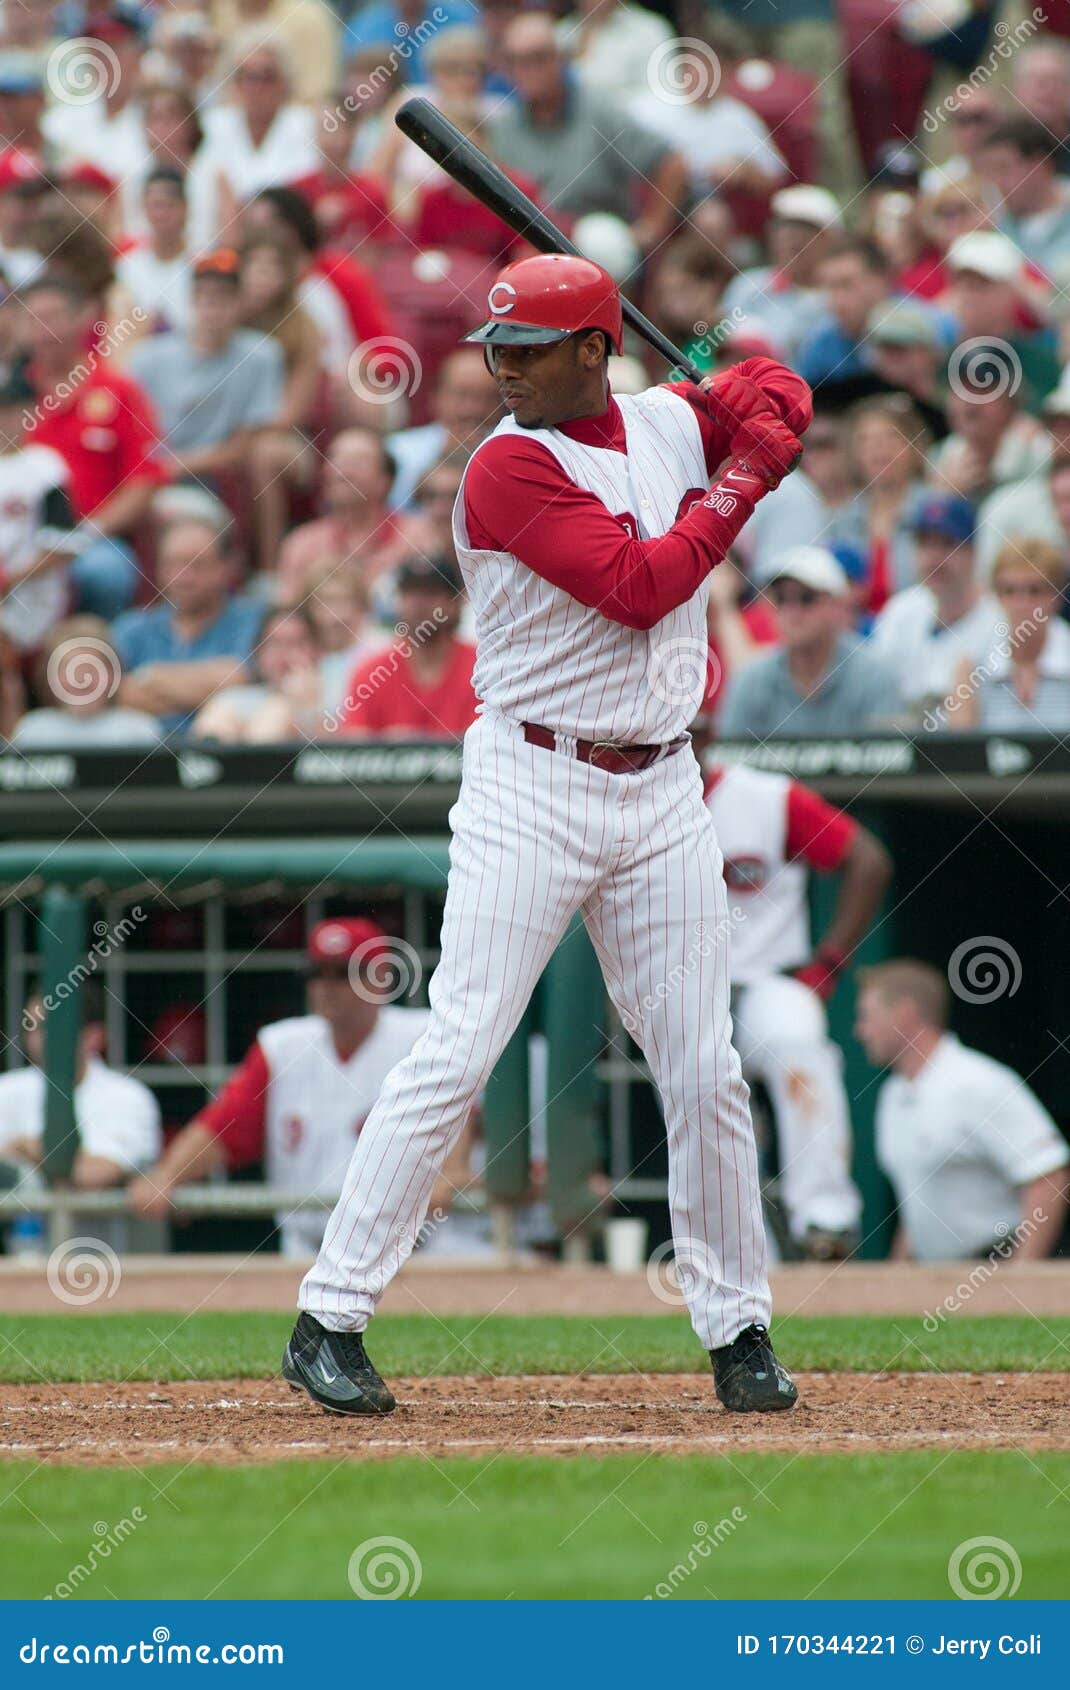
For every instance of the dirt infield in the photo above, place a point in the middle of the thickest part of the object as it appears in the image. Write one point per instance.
(183, 1284)
(241, 1421)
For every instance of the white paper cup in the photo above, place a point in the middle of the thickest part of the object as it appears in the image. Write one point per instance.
(626, 1244)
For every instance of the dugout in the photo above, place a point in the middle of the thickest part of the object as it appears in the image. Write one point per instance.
(234, 853)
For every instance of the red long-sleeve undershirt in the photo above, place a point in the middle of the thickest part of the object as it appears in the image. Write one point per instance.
(518, 499)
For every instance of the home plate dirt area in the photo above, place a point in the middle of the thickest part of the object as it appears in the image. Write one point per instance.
(251, 1421)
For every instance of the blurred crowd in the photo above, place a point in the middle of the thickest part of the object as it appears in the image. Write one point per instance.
(235, 409)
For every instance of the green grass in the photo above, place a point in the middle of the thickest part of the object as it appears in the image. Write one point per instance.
(829, 1526)
(74, 1347)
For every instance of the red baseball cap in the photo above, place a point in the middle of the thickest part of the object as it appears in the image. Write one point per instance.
(83, 174)
(341, 938)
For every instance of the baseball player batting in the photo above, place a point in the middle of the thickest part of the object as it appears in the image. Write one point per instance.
(586, 529)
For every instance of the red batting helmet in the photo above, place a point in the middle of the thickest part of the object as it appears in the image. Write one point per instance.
(342, 937)
(540, 300)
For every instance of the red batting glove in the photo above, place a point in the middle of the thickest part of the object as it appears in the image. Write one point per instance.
(731, 399)
(822, 973)
(766, 446)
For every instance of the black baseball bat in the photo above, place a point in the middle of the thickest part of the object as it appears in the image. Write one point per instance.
(460, 158)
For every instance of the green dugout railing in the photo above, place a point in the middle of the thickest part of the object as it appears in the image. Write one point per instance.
(66, 876)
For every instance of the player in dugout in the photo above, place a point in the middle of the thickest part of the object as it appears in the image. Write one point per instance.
(305, 1087)
(773, 832)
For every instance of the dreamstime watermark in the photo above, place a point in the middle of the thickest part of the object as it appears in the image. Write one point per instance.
(936, 717)
(711, 336)
(385, 970)
(384, 1569)
(107, 1539)
(108, 338)
(82, 1271)
(704, 940)
(984, 969)
(1009, 1240)
(404, 1239)
(390, 660)
(1008, 40)
(984, 1569)
(681, 71)
(382, 370)
(83, 670)
(707, 1538)
(984, 368)
(107, 940)
(378, 79)
(681, 672)
(82, 70)
(677, 1270)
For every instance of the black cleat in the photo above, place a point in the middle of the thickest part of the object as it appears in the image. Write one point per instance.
(333, 1368)
(747, 1376)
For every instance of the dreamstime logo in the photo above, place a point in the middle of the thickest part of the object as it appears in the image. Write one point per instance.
(82, 670)
(378, 80)
(982, 369)
(676, 1271)
(1007, 42)
(1008, 1240)
(681, 671)
(382, 971)
(107, 1539)
(83, 1270)
(983, 969)
(707, 1538)
(683, 70)
(106, 940)
(384, 1569)
(984, 1569)
(383, 370)
(82, 70)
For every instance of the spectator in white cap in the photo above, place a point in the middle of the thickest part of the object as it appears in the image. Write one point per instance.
(1019, 161)
(988, 288)
(821, 680)
(978, 1166)
(784, 293)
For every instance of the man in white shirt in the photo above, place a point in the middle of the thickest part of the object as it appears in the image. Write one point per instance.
(157, 273)
(118, 1118)
(976, 1162)
(924, 631)
(725, 143)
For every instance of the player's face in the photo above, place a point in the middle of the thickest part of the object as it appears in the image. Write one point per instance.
(546, 385)
(878, 1027)
(331, 994)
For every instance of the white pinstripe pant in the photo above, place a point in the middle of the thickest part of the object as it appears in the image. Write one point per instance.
(537, 836)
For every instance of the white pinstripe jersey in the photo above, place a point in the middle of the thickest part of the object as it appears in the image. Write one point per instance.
(544, 657)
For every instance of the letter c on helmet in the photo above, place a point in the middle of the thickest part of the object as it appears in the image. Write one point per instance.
(499, 310)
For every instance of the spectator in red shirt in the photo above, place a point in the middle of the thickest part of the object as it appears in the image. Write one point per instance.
(103, 425)
(420, 687)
